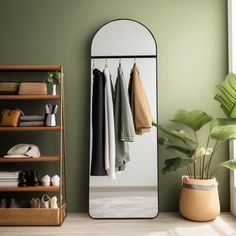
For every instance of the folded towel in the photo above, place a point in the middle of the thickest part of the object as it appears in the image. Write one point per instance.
(31, 118)
(31, 123)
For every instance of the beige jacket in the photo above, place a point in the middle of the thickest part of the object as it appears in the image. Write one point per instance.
(142, 116)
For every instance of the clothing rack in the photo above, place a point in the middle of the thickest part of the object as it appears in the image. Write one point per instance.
(123, 56)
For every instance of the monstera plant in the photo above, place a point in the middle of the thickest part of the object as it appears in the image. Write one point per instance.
(196, 158)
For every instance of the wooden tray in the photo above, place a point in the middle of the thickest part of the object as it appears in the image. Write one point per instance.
(32, 216)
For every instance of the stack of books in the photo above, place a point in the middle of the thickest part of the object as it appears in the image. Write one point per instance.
(9, 179)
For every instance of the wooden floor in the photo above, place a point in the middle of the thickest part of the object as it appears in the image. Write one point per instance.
(166, 224)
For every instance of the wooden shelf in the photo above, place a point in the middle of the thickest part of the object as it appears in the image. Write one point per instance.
(32, 216)
(30, 189)
(19, 129)
(30, 97)
(31, 68)
(30, 160)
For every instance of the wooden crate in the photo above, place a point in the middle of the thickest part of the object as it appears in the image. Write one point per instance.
(32, 216)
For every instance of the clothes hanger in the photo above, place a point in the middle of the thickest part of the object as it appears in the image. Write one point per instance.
(106, 65)
(93, 64)
(120, 61)
(134, 62)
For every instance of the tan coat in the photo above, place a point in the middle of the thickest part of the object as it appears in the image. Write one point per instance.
(142, 116)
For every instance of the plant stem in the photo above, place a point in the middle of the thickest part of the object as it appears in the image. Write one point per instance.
(191, 171)
(209, 163)
(188, 170)
(206, 167)
(195, 134)
(194, 164)
(200, 168)
(204, 157)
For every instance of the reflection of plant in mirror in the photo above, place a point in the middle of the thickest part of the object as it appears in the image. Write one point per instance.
(53, 78)
(195, 158)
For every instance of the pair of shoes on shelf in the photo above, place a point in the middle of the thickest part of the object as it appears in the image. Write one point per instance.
(47, 181)
(12, 203)
(46, 202)
(28, 178)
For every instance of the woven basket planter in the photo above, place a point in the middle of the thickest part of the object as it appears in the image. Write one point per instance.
(199, 199)
(32, 88)
(9, 88)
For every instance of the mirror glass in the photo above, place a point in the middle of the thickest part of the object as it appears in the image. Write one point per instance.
(133, 190)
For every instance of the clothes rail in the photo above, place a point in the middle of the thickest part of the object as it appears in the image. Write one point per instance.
(123, 56)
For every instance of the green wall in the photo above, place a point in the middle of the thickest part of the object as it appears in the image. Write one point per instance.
(192, 45)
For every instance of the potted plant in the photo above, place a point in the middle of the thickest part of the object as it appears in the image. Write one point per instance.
(53, 79)
(199, 199)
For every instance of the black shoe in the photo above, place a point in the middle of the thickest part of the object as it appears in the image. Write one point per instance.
(33, 179)
(22, 179)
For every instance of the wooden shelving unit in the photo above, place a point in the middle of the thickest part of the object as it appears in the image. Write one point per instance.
(35, 216)
(30, 160)
(30, 97)
(30, 189)
(19, 129)
(31, 68)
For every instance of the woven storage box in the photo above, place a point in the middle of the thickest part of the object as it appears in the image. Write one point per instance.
(32, 88)
(32, 216)
(9, 88)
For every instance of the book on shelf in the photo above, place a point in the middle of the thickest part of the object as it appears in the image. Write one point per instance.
(8, 179)
(9, 184)
(9, 174)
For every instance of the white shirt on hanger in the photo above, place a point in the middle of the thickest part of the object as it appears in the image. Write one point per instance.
(109, 150)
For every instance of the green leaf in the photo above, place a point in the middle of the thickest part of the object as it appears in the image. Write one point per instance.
(176, 163)
(179, 134)
(231, 164)
(53, 78)
(193, 119)
(186, 151)
(226, 95)
(223, 129)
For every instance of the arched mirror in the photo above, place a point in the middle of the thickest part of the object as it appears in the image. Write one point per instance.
(123, 143)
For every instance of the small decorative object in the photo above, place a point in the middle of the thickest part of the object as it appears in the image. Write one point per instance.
(32, 88)
(54, 79)
(50, 116)
(199, 200)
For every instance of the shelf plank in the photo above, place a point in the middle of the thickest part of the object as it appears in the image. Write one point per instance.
(30, 97)
(30, 189)
(19, 129)
(31, 68)
(30, 160)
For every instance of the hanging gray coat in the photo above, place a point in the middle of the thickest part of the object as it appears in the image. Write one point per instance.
(124, 127)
